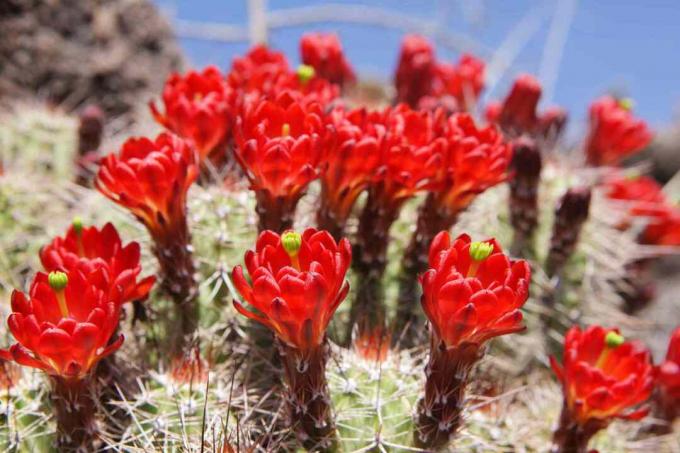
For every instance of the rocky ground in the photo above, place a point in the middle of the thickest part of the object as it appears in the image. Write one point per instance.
(114, 53)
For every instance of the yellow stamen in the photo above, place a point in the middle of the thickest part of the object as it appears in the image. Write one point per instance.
(285, 130)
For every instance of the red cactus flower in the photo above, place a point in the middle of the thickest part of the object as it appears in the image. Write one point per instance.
(415, 71)
(264, 73)
(647, 200)
(464, 80)
(64, 326)
(298, 283)
(641, 190)
(151, 179)
(279, 145)
(492, 111)
(257, 70)
(663, 227)
(477, 158)
(472, 291)
(199, 106)
(348, 164)
(614, 132)
(643, 196)
(603, 377)
(323, 52)
(412, 151)
(668, 373)
(93, 247)
(518, 111)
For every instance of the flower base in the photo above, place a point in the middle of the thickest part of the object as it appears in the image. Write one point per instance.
(74, 405)
(308, 396)
(440, 410)
(570, 437)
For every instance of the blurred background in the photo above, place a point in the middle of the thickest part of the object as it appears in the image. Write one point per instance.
(119, 52)
(578, 49)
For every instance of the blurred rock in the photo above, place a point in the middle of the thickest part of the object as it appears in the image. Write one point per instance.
(112, 53)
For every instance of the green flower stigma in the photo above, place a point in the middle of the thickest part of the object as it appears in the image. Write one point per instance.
(626, 103)
(291, 242)
(480, 250)
(77, 225)
(614, 340)
(57, 280)
(305, 73)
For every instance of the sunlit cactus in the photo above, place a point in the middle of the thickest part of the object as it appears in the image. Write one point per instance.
(36, 139)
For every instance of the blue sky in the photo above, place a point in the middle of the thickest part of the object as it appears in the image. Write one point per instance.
(631, 46)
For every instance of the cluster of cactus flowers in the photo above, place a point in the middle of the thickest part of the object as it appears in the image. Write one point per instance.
(284, 130)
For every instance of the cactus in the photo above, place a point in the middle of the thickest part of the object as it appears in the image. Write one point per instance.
(228, 388)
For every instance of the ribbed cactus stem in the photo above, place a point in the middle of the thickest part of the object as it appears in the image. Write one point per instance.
(177, 271)
(570, 215)
(440, 411)
(369, 260)
(116, 378)
(526, 169)
(74, 406)
(274, 213)
(432, 218)
(308, 397)
(572, 437)
(665, 410)
(636, 287)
